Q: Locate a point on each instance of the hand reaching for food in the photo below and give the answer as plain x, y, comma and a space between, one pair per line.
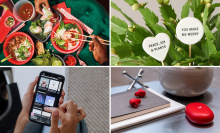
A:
38, 4
99, 50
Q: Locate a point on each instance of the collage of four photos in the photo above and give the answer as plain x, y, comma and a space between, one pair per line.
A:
109, 66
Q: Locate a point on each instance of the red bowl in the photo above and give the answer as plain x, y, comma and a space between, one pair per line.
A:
6, 43
60, 49
65, 58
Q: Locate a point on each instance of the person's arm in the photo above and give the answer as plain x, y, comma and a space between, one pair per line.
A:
27, 99
99, 50
23, 117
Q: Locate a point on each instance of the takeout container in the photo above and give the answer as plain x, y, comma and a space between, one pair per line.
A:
60, 49
38, 17
6, 43
16, 10
56, 55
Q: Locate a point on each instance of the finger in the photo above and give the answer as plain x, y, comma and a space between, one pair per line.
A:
63, 110
47, 4
68, 106
43, 5
61, 100
82, 114
63, 93
54, 121
96, 42
38, 9
91, 48
31, 86
93, 36
100, 39
51, 109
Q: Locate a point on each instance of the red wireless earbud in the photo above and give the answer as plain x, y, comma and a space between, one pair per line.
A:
134, 102
140, 93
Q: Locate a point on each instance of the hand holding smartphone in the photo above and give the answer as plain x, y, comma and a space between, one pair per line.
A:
47, 94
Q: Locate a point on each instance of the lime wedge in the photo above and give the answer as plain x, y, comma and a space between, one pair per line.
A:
57, 63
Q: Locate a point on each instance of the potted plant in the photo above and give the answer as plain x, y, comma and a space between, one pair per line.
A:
185, 81
126, 41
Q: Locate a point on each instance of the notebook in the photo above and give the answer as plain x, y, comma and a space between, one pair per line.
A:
174, 107
122, 110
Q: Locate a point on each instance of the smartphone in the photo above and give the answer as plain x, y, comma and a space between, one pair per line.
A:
48, 91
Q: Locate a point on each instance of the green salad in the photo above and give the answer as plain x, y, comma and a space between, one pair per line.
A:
67, 35
46, 60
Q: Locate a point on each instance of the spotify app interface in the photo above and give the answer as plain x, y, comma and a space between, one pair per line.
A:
47, 95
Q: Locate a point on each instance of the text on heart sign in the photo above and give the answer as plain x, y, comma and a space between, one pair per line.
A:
157, 46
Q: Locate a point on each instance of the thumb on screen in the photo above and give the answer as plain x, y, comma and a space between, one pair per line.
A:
54, 121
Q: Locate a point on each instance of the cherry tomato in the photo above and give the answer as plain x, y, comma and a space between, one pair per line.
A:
66, 45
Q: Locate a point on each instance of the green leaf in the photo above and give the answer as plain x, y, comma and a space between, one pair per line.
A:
123, 51
167, 12
118, 26
114, 60
214, 19
138, 50
116, 39
217, 40
150, 61
205, 17
194, 5
172, 28
183, 52
156, 29
61, 26
215, 56
130, 64
208, 33
139, 34
185, 10
189, 60
198, 12
113, 5
174, 55
208, 48
196, 51
149, 16
131, 2
218, 23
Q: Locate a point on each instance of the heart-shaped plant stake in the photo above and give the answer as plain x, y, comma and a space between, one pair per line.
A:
157, 47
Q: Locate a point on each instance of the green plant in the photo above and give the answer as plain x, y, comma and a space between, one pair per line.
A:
126, 41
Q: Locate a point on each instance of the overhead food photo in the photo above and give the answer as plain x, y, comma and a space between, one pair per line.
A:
54, 33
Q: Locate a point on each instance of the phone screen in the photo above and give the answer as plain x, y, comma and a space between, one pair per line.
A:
47, 94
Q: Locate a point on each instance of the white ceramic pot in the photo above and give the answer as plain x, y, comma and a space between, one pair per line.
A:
186, 82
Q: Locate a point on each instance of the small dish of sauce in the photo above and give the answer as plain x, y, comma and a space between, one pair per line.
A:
25, 11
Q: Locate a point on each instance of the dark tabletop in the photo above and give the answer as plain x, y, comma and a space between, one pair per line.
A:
177, 122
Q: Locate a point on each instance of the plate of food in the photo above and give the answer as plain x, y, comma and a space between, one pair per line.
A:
42, 26
67, 36
18, 48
